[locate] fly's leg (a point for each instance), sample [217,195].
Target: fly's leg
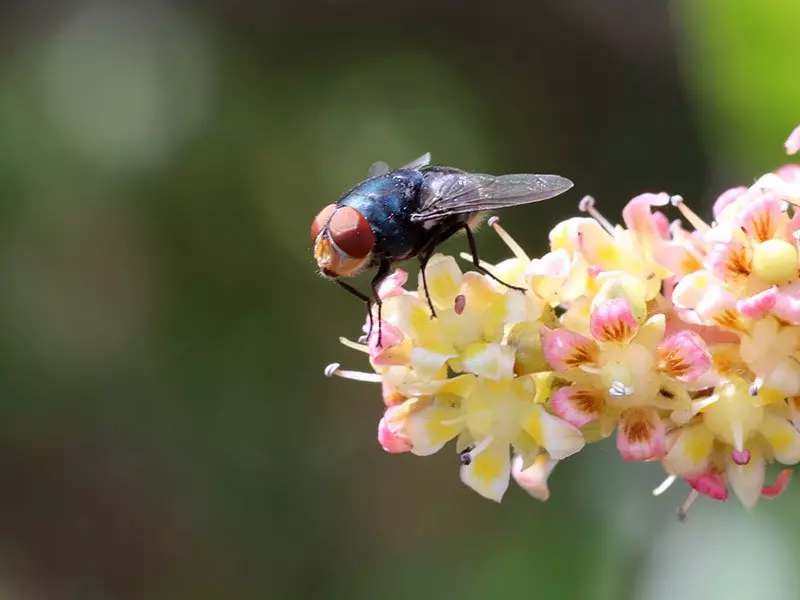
[364,298]
[473,249]
[423,262]
[383,271]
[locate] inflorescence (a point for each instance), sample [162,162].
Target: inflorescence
[681,339]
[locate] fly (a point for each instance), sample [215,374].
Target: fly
[407,213]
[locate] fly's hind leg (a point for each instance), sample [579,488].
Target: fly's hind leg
[424,256]
[473,249]
[383,271]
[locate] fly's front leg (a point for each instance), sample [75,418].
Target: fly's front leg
[473,249]
[383,271]
[363,297]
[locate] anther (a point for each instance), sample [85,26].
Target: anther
[683,511]
[516,249]
[466,456]
[754,389]
[460,304]
[331,369]
[689,214]
[587,205]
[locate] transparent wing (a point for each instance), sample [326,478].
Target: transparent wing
[377,168]
[422,161]
[455,193]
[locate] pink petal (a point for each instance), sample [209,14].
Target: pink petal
[684,356]
[781,481]
[662,224]
[761,217]
[566,349]
[552,264]
[792,144]
[393,284]
[640,435]
[576,405]
[390,434]
[789,173]
[613,321]
[729,261]
[758,305]
[728,197]
[710,484]
[534,479]
[639,218]
[384,355]
[787,303]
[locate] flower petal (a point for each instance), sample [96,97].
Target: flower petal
[432,427]
[761,218]
[392,285]
[392,351]
[727,198]
[792,144]
[390,435]
[710,484]
[534,478]
[758,305]
[576,405]
[429,360]
[781,481]
[491,361]
[566,349]
[638,216]
[747,480]
[782,436]
[640,434]
[488,471]
[787,303]
[690,451]
[683,356]
[558,437]
[444,280]
[613,321]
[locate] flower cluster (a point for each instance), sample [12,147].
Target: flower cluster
[681,339]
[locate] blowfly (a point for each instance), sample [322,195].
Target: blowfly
[393,216]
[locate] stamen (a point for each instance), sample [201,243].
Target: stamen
[738,437]
[785,206]
[516,249]
[465,456]
[683,511]
[756,387]
[460,304]
[741,457]
[665,485]
[587,205]
[689,214]
[353,345]
[334,369]
[619,390]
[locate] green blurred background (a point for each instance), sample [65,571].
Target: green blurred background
[165,427]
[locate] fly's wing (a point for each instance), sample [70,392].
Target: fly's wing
[381,168]
[377,168]
[422,161]
[456,193]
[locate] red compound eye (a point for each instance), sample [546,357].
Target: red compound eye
[351,232]
[321,220]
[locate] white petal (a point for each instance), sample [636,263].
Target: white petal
[747,480]
[489,471]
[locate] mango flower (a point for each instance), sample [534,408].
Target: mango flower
[679,334]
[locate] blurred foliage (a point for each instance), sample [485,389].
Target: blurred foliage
[166,428]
